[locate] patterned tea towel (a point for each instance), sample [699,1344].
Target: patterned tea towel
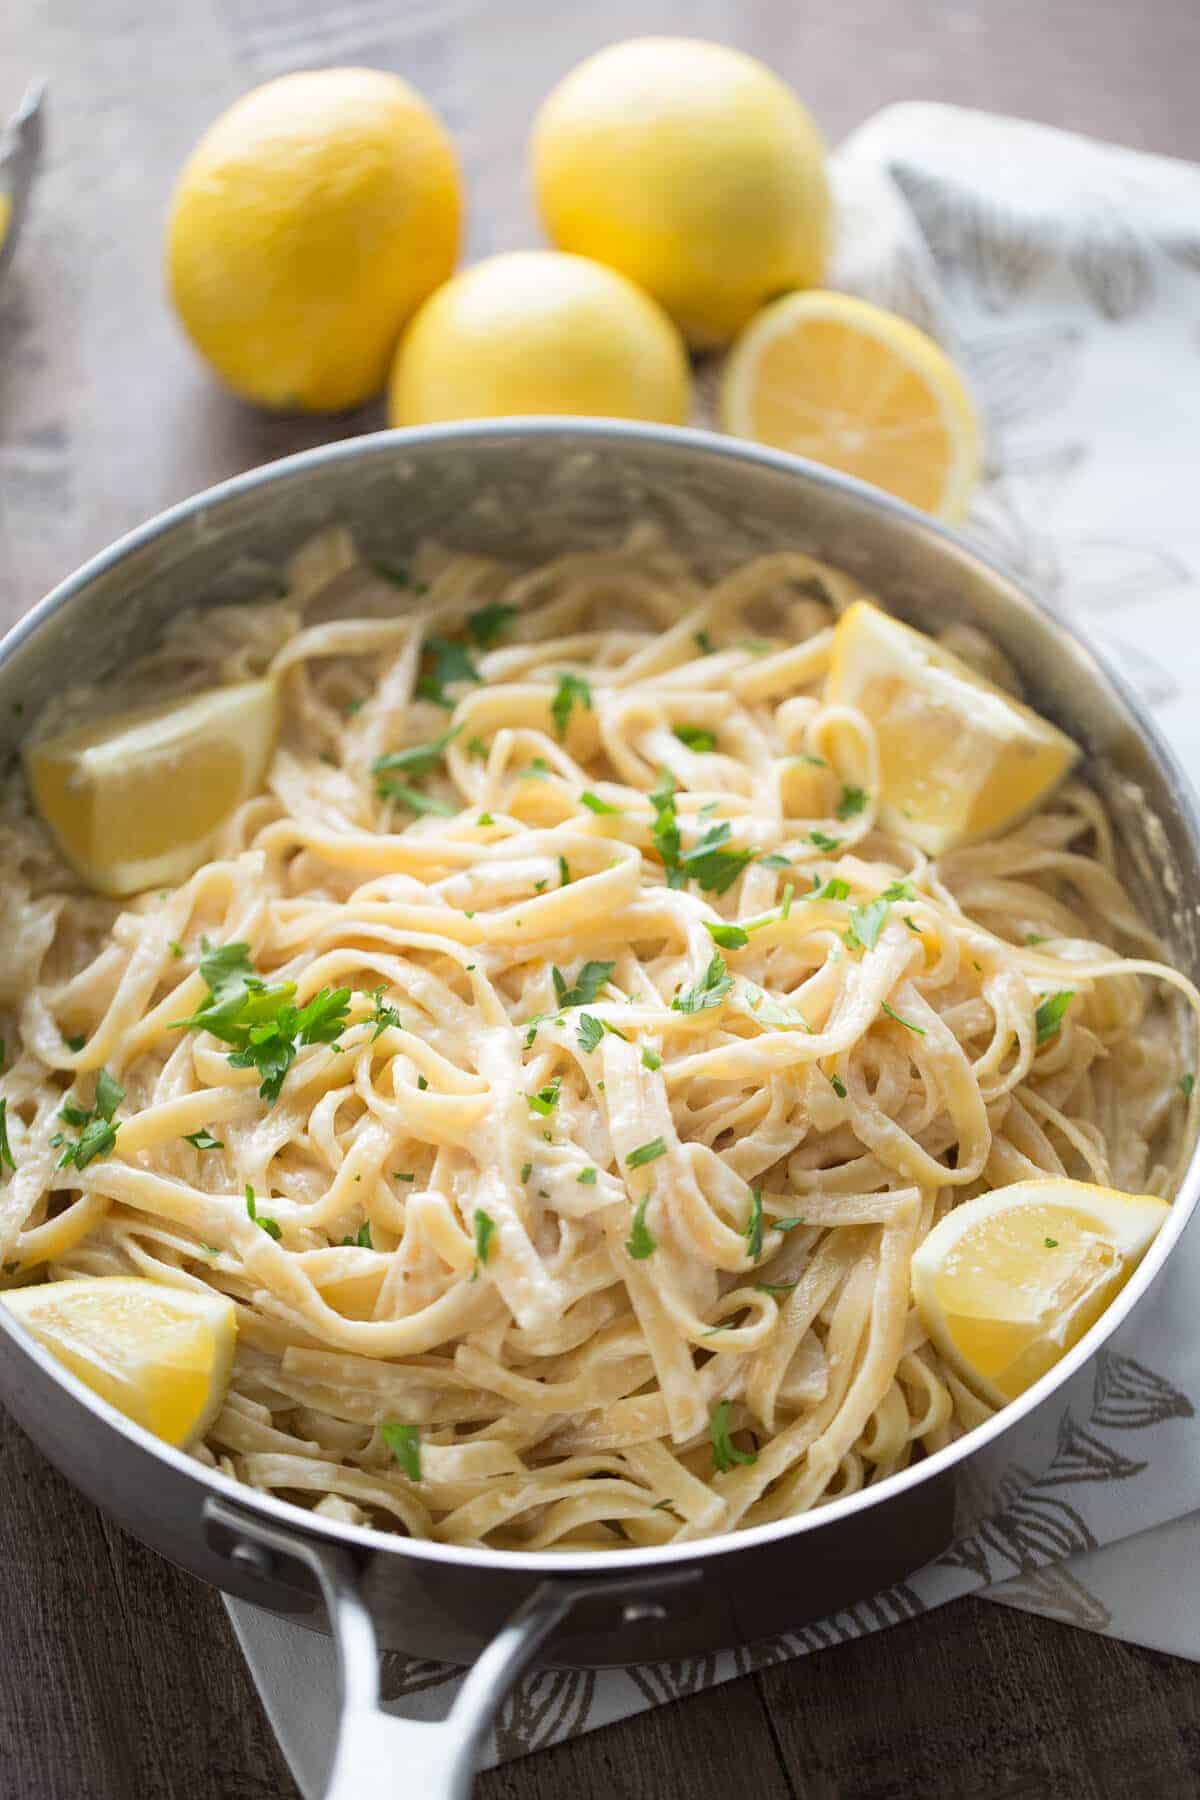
[1065,277]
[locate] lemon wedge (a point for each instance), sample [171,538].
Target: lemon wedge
[849,384]
[160,1355]
[1005,1284]
[134,801]
[959,758]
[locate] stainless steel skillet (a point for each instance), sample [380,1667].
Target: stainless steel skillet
[532,489]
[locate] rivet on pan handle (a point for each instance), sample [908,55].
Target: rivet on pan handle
[378,1754]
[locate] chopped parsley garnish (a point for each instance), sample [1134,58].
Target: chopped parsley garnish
[538,770]
[866,922]
[695,737]
[418,759]
[852,802]
[587,984]
[814,762]
[1186,1085]
[785,1224]
[838,1086]
[6,1155]
[911,923]
[703,643]
[355,706]
[526,1171]
[1050,1243]
[823,841]
[595,804]
[564,872]
[773,860]
[75,1043]
[907,1023]
[477,749]
[383,1016]
[1049,1016]
[899,890]
[488,625]
[485,1225]
[203,1140]
[175,947]
[270,1226]
[709,864]
[641,1242]
[404,1175]
[485,819]
[711,989]
[422,1083]
[753,1233]
[725,1452]
[1034,937]
[650,1058]
[729,937]
[545,1100]
[259,1021]
[646,1153]
[785,905]
[394,572]
[590,1032]
[404,1442]
[416,802]
[775,1288]
[725,1325]
[451,663]
[361,1239]
[834,889]
[570,689]
[586,1178]
[98,1134]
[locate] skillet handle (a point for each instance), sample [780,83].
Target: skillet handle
[379,1755]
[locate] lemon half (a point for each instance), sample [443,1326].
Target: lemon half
[846,383]
[160,1355]
[959,758]
[1007,1283]
[134,801]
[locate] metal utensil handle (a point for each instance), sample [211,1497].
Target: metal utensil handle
[377,1753]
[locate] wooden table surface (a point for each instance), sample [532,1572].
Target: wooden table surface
[120,1676]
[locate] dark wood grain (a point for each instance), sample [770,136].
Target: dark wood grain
[120,1676]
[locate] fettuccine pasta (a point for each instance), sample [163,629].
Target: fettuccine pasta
[628,1060]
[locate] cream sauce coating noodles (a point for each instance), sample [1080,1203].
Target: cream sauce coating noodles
[608,1208]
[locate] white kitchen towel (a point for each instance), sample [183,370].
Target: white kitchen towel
[1065,276]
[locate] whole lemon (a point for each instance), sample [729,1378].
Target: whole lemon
[307,226]
[692,169]
[538,332]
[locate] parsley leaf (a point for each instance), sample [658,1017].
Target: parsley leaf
[586,1178]
[838,1086]
[394,572]
[451,663]
[725,1452]
[361,1239]
[646,1153]
[710,990]
[775,1288]
[729,937]
[695,737]
[383,1016]
[417,759]
[823,841]
[259,1022]
[703,643]
[587,984]
[852,802]
[571,688]
[650,1058]
[899,890]
[595,804]
[834,889]
[6,1155]
[665,829]
[1049,1016]
[203,1140]
[866,922]
[412,798]
[488,625]
[485,1225]
[1186,1085]
[564,872]
[404,1442]
[773,860]
[753,1233]
[1050,1243]
[641,1243]
[109,1095]
[590,1032]
[75,1043]
[907,1023]
[545,1100]
[270,1226]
